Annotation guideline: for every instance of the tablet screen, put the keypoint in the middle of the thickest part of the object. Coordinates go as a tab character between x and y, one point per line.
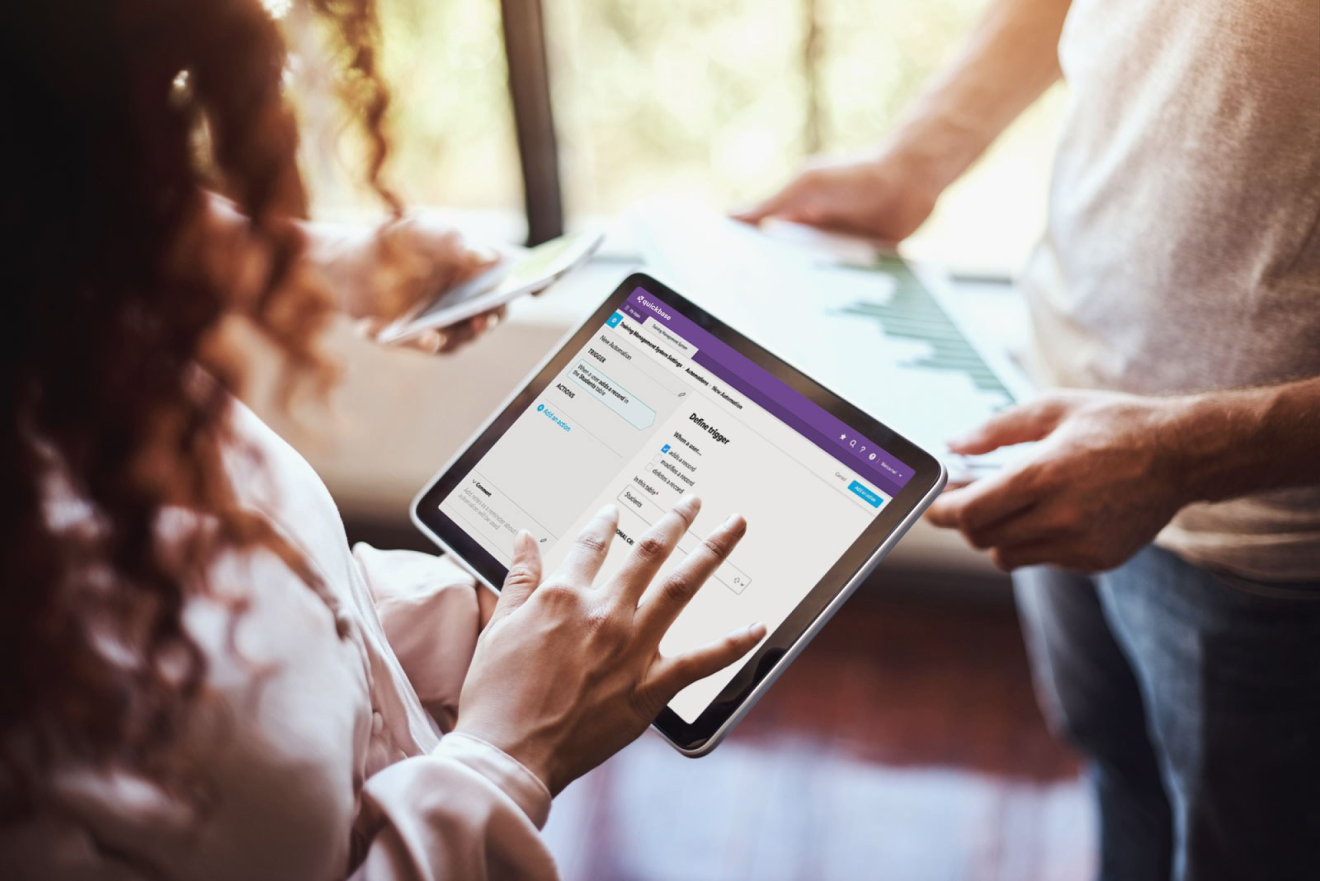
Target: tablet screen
653	406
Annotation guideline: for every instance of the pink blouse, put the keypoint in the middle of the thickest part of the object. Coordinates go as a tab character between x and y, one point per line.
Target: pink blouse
320	757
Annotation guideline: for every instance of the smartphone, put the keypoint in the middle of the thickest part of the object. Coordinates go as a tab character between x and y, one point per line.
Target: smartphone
518	271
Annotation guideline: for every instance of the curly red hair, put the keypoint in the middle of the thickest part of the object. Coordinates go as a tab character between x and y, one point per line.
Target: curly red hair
120	116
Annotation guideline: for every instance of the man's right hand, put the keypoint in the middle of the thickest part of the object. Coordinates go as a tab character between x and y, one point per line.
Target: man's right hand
883	198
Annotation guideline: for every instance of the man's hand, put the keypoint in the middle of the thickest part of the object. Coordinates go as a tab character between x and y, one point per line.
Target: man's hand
1104	480
879	198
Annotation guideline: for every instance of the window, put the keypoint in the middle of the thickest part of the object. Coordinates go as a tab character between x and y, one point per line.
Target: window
723	100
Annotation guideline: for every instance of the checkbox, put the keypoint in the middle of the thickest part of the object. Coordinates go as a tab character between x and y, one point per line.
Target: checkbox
665	448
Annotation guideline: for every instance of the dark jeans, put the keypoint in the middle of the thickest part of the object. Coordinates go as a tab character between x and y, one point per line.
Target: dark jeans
1195	698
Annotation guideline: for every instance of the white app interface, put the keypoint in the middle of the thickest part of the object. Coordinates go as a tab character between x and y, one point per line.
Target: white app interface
654	407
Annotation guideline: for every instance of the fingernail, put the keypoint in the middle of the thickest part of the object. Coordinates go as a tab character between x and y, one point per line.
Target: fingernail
751	631
367	328
431	341
483	253
609	512
735	523
523	539
689	502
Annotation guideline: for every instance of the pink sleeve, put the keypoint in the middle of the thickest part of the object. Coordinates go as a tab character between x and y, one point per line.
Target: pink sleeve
465	811
428	607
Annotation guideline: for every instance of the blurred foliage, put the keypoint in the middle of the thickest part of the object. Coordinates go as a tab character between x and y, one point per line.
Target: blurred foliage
717	99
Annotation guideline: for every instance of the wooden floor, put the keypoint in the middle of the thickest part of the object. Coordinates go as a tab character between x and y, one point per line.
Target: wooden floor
903	745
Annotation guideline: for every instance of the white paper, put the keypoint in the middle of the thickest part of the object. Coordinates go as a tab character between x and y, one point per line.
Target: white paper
819	302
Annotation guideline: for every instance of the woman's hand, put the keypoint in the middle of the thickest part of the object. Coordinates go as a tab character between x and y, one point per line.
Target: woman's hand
566	674
380	274
885	198
487	599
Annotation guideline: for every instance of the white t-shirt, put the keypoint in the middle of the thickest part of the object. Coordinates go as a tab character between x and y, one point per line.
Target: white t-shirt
1182	252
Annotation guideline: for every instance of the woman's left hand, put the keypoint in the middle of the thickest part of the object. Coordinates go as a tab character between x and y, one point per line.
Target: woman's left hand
379	274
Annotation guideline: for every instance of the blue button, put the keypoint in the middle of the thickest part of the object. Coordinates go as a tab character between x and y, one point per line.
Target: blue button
870	496
614	320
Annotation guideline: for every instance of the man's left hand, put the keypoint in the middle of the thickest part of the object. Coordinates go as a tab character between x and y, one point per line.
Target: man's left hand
1102	482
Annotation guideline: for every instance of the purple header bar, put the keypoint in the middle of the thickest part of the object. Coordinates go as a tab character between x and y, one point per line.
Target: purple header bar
805	416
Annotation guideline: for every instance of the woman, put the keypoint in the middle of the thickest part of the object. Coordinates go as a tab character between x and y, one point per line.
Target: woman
201	680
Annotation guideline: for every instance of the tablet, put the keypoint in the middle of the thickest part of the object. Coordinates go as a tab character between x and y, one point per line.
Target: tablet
650	399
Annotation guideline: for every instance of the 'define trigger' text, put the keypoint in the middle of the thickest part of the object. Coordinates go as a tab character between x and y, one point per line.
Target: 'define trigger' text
710	429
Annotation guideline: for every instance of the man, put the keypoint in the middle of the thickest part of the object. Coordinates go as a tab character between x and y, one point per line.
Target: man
1165	535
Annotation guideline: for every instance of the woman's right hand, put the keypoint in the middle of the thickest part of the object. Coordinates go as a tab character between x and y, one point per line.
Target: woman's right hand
567	674
883	198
